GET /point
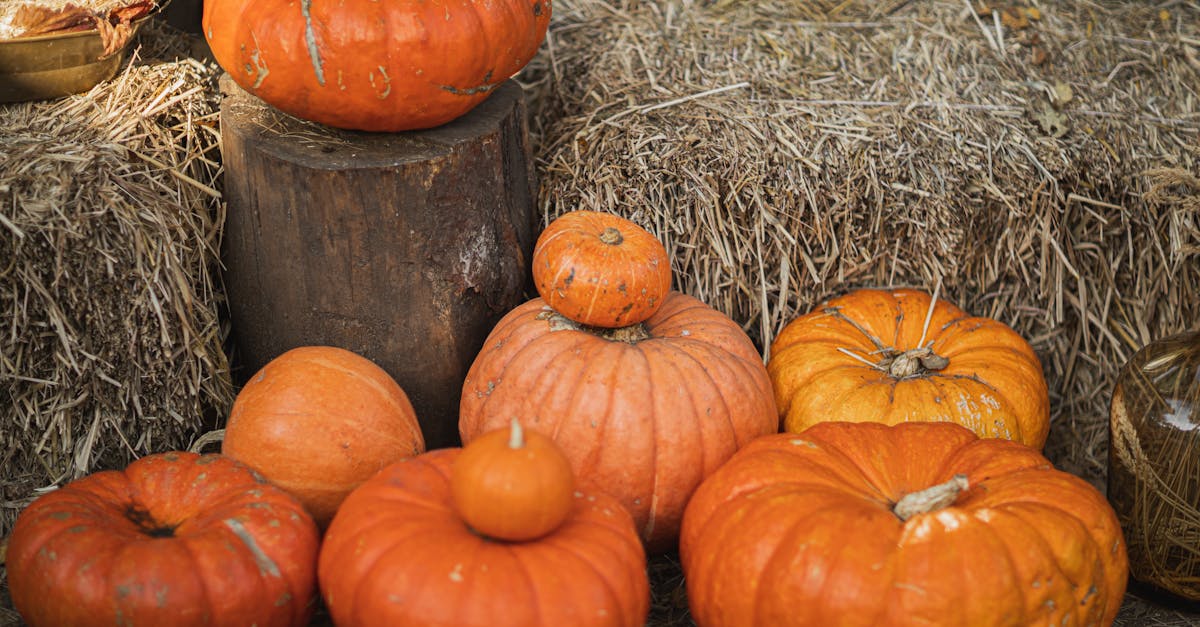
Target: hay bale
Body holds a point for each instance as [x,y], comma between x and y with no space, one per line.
[109,226]
[1041,164]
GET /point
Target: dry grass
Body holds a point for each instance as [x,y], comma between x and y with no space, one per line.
[786,152]
[108,303]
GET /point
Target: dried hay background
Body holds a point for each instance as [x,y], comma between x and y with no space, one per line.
[1047,176]
[108,305]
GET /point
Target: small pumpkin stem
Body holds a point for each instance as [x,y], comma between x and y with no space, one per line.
[611,236]
[930,499]
[516,438]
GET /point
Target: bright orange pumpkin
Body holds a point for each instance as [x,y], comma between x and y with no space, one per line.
[374,66]
[643,412]
[174,539]
[398,553]
[318,421]
[863,524]
[893,356]
[512,485]
[600,269]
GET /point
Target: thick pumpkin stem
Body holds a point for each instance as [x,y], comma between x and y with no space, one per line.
[516,438]
[611,236]
[631,334]
[913,362]
[930,499]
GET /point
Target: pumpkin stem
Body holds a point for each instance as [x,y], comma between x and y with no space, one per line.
[516,438]
[913,362]
[611,236]
[631,334]
[930,499]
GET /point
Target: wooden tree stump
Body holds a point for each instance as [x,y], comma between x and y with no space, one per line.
[404,248]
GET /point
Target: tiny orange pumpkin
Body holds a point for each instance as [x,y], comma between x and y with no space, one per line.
[513,485]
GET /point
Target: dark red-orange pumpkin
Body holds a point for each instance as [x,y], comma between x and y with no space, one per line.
[600,269]
[175,539]
[398,553]
[643,412]
[512,485]
[317,421]
[374,66]
[868,525]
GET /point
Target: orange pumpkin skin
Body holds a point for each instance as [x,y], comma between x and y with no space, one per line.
[798,529]
[600,269]
[317,421]
[397,553]
[990,380]
[512,485]
[644,420]
[175,539]
[374,66]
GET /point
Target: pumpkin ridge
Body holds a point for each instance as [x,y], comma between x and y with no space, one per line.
[1005,404]
[1054,558]
[529,580]
[567,549]
[513,354]
[691,395]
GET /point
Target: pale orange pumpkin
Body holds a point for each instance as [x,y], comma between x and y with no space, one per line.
[893,356]
[643,412]
[317,421]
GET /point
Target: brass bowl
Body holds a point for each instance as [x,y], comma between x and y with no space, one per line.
[50,66]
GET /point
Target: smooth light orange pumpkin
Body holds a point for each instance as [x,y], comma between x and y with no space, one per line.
[600,269]
[319,420]
[893,356]
[863,524]
[643,412]
[175,539]
[398,553]
[512,485]
[374,66]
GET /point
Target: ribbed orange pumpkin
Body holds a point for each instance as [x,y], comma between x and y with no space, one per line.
[512,485]
[643,413]
[600,269]
[893,356]
[862,524]
[175,539]
[317,421]
[374,66]
[397,553]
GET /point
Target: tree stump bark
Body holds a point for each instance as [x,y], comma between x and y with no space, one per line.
[405,248]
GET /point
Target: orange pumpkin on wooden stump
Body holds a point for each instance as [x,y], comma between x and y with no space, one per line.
[600,269]
[374,66]
[399,553]
[175,539]
[643,412]
[317,421]
[862,524]
[893,356]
